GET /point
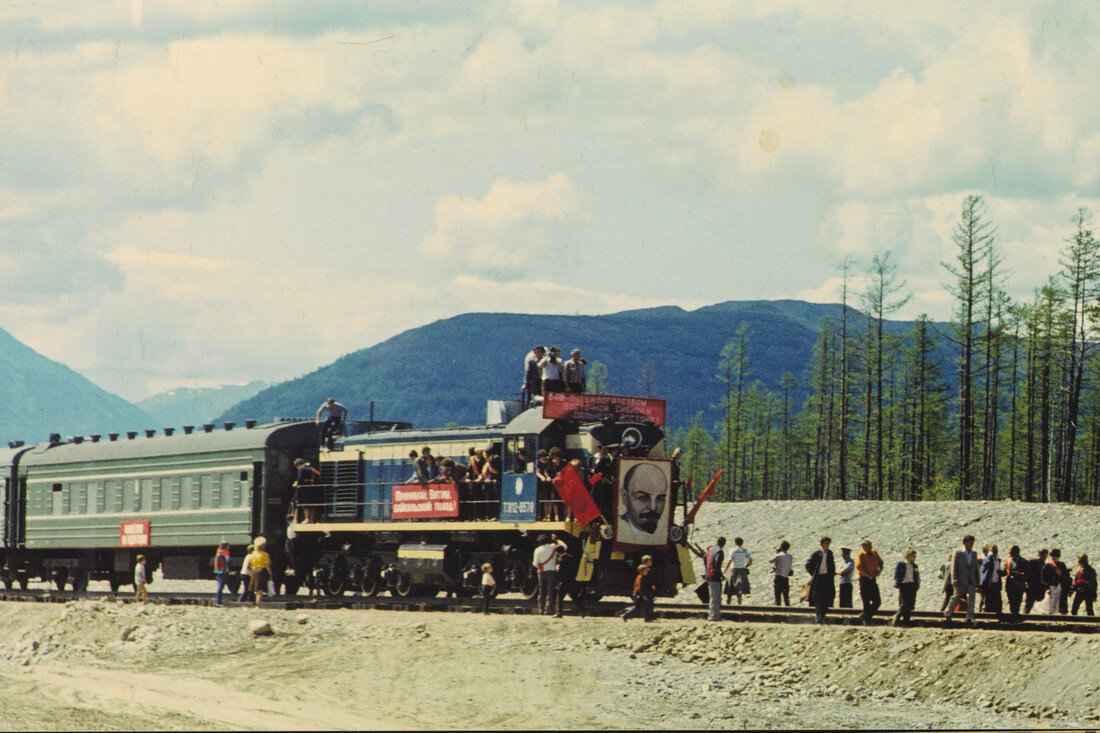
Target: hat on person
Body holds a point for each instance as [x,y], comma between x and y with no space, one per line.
[575,352]
[845,549]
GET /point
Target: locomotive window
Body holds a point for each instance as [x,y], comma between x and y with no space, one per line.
[57,494]
[244,476]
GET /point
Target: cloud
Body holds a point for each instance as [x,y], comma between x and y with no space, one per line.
[508,227]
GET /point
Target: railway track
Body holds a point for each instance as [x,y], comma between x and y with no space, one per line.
[603,608]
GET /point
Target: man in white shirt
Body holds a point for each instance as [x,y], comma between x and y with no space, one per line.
[782,567]
[545,561]
[740,560]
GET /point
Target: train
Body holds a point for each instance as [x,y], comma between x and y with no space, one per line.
[84,508]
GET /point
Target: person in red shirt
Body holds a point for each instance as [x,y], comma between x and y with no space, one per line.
[869,565]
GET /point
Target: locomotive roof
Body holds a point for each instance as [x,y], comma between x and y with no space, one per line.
[273,435]
[527,423]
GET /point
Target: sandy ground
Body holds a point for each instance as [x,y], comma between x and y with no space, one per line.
[107,665]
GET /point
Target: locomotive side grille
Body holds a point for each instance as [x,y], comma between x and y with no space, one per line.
[342,482]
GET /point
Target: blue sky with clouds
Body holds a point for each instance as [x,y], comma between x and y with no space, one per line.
[197,193]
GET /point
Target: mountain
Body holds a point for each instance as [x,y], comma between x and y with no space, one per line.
[40,396]
[186,406]
[446,371]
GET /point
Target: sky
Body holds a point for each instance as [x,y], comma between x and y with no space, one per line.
[198,193]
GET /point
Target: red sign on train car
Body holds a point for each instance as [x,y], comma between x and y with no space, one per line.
[588,407]
[133,533]
[425,501]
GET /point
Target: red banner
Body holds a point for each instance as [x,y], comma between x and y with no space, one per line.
[591,407]
[133,533]
[425,501]
[575,494]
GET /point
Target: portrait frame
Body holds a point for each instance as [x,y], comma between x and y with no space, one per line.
[628,536]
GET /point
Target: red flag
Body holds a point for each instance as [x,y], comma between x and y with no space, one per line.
[703,497]
[572,490]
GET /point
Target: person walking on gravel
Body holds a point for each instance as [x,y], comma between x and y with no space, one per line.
[781,566]
[846,573]
[140,579]
[869,565]
[740,560]
[964,580]
[1015,575]
[261,569]
[907,581]
[714,556]
[822,567]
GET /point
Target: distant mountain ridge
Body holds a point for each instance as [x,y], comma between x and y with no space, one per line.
[196,406]
[446,371]
[41,396]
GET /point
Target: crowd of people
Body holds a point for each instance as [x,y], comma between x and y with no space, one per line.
[545,371]
[972,582]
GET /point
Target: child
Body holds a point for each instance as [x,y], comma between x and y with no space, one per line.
[221,570]
[140,594]
[643,595]
[488,584]
[246,575]
[261,569]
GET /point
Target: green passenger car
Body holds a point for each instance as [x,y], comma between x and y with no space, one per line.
[91,506]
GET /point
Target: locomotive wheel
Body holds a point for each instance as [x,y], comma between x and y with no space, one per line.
[335,576]
[80,581]
[403,588]
[60,576]
[292,585]
[24,581]
[8,581]
[368,578]
[529,588]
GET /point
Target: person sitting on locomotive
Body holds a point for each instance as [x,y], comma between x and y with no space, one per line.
[434,469]
[334,422]
[421,472]
[552,375]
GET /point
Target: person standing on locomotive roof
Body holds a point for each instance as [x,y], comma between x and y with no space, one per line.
[551,366]
[576,381]
[532,375]
[334,422]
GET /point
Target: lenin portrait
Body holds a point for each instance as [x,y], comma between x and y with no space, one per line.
[643,511]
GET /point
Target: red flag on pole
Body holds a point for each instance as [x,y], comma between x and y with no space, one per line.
[703,497]
[573,492]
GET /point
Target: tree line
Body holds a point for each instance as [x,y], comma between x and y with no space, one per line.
[996,404]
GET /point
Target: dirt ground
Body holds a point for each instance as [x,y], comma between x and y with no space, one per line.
[107,665]
[93,665]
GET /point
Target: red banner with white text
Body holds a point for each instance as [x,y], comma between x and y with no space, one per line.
[591,407]
[425,501]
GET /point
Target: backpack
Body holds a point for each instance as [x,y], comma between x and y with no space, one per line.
[221,563]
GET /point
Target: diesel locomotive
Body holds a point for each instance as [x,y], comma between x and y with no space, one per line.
[84,508]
